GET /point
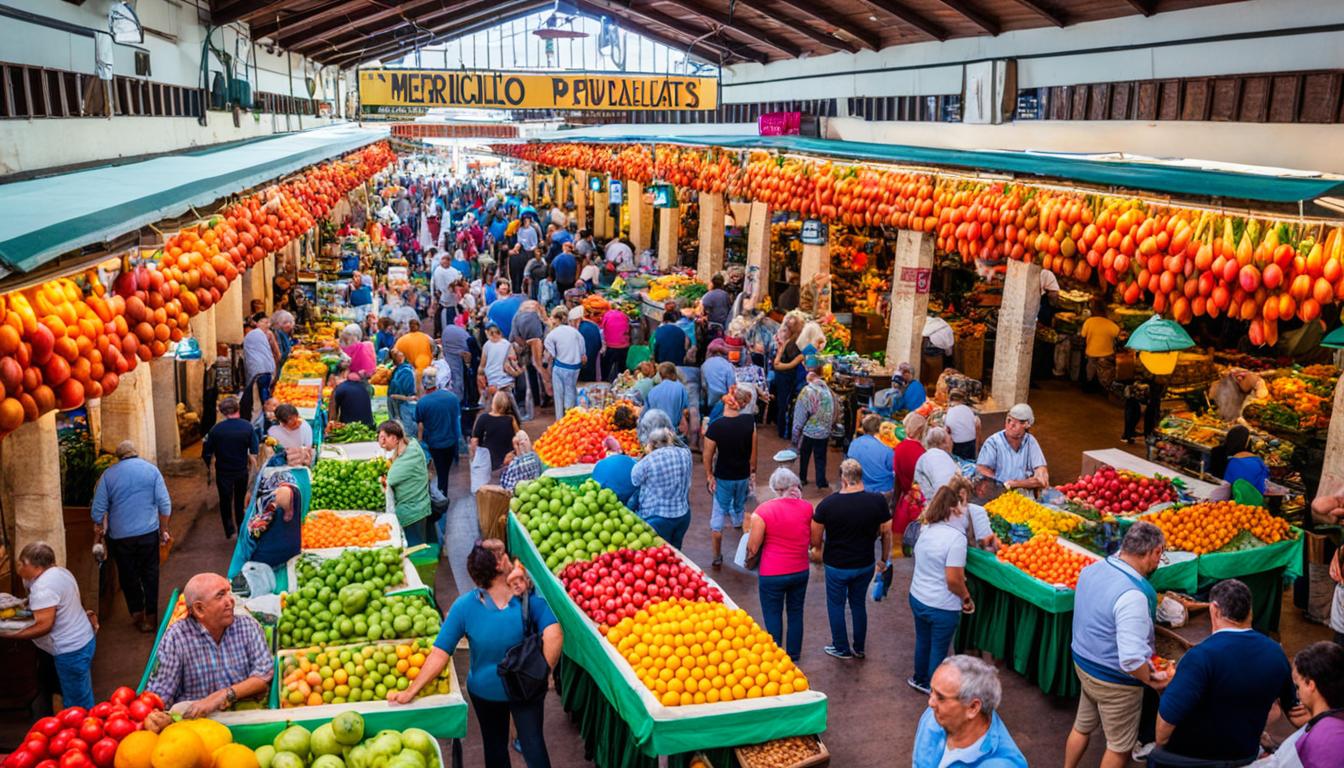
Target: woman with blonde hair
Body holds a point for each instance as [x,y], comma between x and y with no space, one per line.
[938,592]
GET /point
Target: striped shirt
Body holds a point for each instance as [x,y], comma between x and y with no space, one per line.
[191,665]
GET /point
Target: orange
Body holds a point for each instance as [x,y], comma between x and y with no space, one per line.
[136,750]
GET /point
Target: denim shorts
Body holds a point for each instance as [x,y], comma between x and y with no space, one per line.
[730,502]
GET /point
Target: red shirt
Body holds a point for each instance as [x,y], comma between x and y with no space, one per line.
[907,452]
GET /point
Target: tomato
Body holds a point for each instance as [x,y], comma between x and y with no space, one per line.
[71,717]
[60,742]
[47,726]
[77,745]
[119,727]
[91,729]
[139,709]
[48,763]
[37,745]
[76,759]
[104,752]
[20,759]
[152,699]
[101,710]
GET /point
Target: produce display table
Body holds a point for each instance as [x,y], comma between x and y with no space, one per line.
[1093,460]
[1029,624]
[640,724]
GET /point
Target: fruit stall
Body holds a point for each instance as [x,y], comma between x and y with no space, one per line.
[1024,593]
[615,586]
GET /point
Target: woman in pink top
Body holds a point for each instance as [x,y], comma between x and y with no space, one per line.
[615,343]
[781,531]
[362,357]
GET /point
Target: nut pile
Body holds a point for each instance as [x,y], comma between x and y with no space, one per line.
[779,753]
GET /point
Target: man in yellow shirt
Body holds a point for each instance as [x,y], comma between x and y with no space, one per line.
[418,348]
[1099,332]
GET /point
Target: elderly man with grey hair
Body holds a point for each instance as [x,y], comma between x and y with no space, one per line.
[662,480]
[1113,644]
[961,725]
[282,327]
[1012,456]
[213,657]
[131,508]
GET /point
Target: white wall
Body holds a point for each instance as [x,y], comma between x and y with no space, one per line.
[934,68]
[173,37]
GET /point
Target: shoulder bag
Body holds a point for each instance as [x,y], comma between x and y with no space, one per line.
[524,669]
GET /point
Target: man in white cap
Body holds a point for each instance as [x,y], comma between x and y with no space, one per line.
[1012,456]
[565,354]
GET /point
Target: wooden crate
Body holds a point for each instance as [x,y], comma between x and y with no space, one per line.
[822,758]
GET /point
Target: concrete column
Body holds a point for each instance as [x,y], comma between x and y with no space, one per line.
[581,198]
[253,285]
[532,182]
[602,215]
[1332,472]
[194,371]
[128,414]
[1016,333]
[268,275]
[711,235]
[30,485]
[758,252]
[163,391]
[641,217]
[909,305]
[816,259]
[203,329]
[229,316]
[669,231]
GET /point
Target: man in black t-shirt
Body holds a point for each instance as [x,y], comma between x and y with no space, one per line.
[732,439]
[850,520]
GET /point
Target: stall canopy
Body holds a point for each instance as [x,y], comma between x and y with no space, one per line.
[1184,179]
[46,217]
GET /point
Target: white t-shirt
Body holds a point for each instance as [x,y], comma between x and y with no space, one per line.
[71,631]
[966,755]
[493,356]
[933,470]
[565,345]
[960,421]
[591,273]
[940,546]
[292,438]
[442,279]
[620,254]
[940,334]
[1049,283]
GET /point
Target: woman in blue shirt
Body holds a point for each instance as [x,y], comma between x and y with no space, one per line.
[491,618]
[1234,462]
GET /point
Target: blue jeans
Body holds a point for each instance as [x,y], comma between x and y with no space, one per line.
[848,584]
[417,532]
[73,670]
[672,529]
[776,592]
[730,502]
[814,447]
[565,382]
[934,628]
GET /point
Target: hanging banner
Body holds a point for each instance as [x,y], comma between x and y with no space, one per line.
[398,91]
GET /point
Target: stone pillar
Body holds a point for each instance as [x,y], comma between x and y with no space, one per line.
[816,259]
[268,275]
[1016,333]
[194,371]
[1332,472]
[229,315]
[909,306]
[757,279]
[128,414]
[711,235]
[669,232]
[203,329]
[641,217]
[30,485]
[532,182]
[581,198]
[602,214]
[163,390]
[253,285]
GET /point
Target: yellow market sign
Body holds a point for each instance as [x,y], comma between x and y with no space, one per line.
[406,91]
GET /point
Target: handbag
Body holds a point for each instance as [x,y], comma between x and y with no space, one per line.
[524,670]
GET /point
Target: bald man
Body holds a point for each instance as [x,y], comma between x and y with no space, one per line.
[213,657]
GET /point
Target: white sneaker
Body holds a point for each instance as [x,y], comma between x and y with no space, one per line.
[1140,752]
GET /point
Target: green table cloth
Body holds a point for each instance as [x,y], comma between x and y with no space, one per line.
[1029,624]
[654,729]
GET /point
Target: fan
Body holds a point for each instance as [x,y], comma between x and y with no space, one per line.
[561,14]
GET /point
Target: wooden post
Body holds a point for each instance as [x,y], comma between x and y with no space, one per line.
[757,278]
[816,259]
[30,485]
[711,235]
[669,230]
[581,198]
[602,214]
[1016,333]
[641,217]
[909,304]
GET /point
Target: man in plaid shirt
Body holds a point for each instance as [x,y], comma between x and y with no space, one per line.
[662,480]
[212,658]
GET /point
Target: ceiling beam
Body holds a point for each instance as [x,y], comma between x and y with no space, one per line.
[1146,7]
[1052,16]
[361,29]
[710,51]
[399,28]
[892,8]
[990,25]
[404,46]
[680,28]
[268,27]
[742,29]
[803,28]
[818,12]
[229,11]
[335,26]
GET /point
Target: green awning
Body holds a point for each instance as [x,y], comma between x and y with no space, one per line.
[1185,179]
[42,218]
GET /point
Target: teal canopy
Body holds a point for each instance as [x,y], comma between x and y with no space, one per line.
[43,218]
[1334,339]
[1157,334]
[1172,179]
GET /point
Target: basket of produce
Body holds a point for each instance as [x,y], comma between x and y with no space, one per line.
[304,674]
[315,615]
[1219,526]
[333,529]
[349,484]
[354,432]
[793,752]
[577,438]
[1048,558]
[1111,492]
[375,569]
